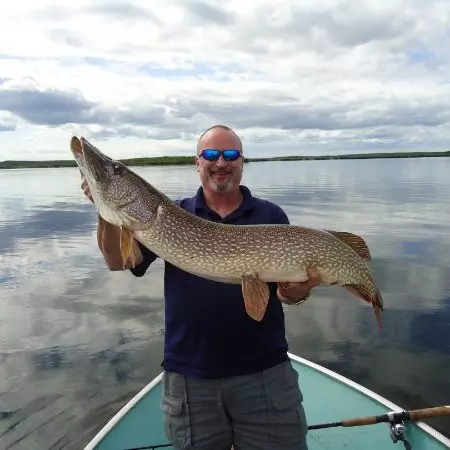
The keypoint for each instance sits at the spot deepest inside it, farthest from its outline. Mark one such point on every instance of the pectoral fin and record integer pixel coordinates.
(375, 299)
(256, 296)
(356, 242)
(127, 247)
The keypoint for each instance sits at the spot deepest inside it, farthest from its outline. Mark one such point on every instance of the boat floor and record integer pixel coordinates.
(328, 397)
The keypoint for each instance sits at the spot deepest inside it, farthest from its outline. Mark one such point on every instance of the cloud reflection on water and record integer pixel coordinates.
(76, 338)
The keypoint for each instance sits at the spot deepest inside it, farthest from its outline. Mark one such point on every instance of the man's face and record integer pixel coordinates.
(220, 175)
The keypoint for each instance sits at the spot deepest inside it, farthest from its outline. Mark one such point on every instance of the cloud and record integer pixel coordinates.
(329, 77)
(141, 132)
(50, 107)
(293, 115)
(66, 37)
(204, 12)
(6, 127)
(121, 11)
(53, 107)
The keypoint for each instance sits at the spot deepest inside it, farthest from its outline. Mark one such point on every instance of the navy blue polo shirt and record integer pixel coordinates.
(207, 330)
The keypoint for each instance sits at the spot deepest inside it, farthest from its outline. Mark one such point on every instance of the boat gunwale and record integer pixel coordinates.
(114, 420)
(123, 412)
(369, 393)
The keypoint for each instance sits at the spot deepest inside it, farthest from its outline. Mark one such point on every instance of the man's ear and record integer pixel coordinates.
(197, 162)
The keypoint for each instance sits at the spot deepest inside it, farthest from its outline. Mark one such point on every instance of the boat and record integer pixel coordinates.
(329, 398)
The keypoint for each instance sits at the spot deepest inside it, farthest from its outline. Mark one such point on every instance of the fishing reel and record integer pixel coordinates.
(397, 431)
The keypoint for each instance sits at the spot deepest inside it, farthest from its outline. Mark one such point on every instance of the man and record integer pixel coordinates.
(227, 378)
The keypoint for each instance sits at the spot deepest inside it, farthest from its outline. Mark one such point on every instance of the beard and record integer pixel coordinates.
(224, 186)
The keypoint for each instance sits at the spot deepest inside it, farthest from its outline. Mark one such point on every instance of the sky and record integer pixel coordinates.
(146, 78)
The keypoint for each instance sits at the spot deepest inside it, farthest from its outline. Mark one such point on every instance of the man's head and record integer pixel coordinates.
(221, 175)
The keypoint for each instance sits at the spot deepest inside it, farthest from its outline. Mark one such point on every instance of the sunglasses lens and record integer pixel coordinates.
(231, 155)
(210, 154)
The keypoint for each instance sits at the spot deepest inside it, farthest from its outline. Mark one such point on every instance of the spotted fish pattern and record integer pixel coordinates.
(255, 254)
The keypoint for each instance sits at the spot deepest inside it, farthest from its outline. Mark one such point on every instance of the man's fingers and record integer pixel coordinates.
(314, 277)
(289, 285)
(86, 190)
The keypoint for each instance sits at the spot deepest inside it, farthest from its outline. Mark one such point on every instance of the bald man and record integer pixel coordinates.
(227, 379)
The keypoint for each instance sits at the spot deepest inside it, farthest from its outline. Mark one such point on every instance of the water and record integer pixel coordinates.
(76, 341)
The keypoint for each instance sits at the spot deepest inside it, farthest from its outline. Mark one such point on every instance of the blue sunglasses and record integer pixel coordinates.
(211, 154)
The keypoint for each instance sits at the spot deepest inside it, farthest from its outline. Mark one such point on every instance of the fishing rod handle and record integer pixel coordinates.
(359, 421)
(413, 415)
(430, 412)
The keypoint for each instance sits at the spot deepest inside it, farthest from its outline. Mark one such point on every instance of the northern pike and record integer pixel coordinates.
(250, 255)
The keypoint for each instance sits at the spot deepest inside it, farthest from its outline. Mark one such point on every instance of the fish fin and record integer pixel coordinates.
(375, 299)
(256, 296)
(127, 247)
(356, 242)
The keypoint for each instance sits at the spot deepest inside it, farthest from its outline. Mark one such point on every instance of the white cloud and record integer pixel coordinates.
(148, 77)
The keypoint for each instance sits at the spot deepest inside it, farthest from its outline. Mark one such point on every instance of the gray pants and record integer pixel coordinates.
(259, 411)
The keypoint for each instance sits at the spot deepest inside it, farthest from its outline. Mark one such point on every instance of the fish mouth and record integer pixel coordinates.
(76, 147)
(92, 162)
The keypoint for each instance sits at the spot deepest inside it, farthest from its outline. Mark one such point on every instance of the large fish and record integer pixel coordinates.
(250, 255)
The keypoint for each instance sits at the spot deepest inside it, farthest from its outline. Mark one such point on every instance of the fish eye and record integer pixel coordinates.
(118, 169)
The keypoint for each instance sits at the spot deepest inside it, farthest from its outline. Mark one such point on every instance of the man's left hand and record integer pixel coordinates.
(292, 293)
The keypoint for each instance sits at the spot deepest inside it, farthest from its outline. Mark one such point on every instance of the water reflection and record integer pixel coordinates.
(77, 340)
(43, 222)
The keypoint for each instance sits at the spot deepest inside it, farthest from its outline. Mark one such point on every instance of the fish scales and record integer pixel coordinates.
(234, 250)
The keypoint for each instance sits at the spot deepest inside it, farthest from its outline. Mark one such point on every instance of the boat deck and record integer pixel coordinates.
(328, 397)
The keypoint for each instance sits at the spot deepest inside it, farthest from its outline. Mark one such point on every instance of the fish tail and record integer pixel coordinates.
(373, 297)
(377, 304)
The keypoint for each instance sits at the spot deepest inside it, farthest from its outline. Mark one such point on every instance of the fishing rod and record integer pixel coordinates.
(150, 447)
(395, 419)
(391, 417)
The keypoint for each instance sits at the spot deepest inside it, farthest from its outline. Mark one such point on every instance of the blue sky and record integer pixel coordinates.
(146, 78)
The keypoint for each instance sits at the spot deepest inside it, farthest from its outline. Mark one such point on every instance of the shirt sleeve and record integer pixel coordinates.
(279, 216)
(148, 258)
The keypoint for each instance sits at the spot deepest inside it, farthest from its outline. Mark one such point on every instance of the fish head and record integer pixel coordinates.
(122, 197)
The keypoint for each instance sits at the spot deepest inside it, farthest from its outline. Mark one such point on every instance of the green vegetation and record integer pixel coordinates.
(159, 161)
(155, 161)
(184, 160)
(358, 156)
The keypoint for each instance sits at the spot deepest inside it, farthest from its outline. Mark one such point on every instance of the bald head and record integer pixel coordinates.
(220, 137)
(219, 176)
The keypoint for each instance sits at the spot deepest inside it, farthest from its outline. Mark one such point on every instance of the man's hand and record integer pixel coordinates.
(85, 187)
(292, 293)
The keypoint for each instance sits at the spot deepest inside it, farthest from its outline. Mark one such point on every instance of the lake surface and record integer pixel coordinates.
(77, 341)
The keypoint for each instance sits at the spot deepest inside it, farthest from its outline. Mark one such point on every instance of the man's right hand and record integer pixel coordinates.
(85, 187)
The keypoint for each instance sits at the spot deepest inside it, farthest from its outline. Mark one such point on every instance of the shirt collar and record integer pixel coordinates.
(246, 205)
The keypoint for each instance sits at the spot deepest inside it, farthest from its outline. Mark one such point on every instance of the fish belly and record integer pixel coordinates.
(236, 278)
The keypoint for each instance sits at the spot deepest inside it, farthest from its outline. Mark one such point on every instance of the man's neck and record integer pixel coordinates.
(223, 203)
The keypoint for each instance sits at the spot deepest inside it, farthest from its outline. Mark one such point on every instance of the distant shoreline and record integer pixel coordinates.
(187, 160)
